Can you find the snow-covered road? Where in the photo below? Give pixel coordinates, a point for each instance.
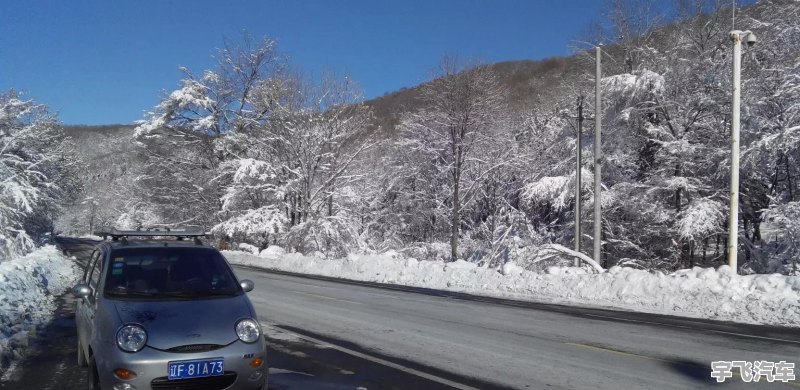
(518, 347)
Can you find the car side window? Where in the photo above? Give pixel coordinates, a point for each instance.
(94, 276)
(90, 266)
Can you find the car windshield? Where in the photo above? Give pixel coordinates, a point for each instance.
(169, 273)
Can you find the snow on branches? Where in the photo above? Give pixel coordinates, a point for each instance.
(254, 224)
(701, 219)
(34, 170)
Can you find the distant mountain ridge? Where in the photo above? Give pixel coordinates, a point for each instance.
(522, 79)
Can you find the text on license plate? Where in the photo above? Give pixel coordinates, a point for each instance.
(183, 369)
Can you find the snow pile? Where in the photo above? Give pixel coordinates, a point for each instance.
(248, 248)
(28, 289)
(700, 292)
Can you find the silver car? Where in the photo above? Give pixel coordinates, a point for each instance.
(157, 314)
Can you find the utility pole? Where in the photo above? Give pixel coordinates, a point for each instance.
(578, 173)
(578, 165)
(598, 158)
(733, 215)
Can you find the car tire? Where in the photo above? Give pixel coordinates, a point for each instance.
(81, 356)
(265, 386)
(92, 377)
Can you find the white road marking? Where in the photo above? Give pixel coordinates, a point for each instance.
(386, 363)
(325, 297)
(277, 371)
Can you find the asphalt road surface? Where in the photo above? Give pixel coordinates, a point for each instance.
(525, 346)
(326, 334)
(295, 363)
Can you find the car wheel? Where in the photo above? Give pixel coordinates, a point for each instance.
(81, 356)
(92, 378)
(265, 386)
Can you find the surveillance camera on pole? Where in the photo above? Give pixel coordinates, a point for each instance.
(751, 39)
(733, 217)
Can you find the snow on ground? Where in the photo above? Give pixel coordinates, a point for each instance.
(699, 292)
(29, 286)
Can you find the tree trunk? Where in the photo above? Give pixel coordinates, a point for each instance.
(292, 209)
(725, 248)
(330, 198)
(746, 228)
(757, 229)
(705, 247)
(306, 207)
(91, 220)
(789, 178)
(456, 221)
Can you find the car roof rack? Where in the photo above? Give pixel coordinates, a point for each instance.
(179, 233)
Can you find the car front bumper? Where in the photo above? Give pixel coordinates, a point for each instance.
(151, 368)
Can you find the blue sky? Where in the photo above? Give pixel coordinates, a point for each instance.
(102, 61)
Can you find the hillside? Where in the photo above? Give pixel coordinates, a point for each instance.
(524, 80)
(108, 158)
(103, 141)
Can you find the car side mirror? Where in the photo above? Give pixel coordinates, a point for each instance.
(82, 290)
(247, 285)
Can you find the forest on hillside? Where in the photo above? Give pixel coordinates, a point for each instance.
(478, 163)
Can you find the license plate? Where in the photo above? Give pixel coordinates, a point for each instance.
(183, 369)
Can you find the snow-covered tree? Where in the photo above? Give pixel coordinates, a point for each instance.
(183, 137)
(253, 201)
(463, 107)
(320, 143)
(303, 158)
(36, 173)
(771, 137)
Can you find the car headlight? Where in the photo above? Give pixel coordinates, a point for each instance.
(248, 330)
(131, 338)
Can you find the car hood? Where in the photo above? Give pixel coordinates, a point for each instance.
(185, 322)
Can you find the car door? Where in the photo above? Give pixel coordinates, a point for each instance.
(86, 307)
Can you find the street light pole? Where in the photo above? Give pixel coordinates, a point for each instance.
(598, 158)
(578, 165)
(733, 215)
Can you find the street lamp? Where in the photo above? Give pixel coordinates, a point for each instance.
(733, 218)
(598, 156)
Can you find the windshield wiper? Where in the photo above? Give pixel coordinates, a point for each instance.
(179, 294)
(219, 293)
(195, 294)
(131, 294)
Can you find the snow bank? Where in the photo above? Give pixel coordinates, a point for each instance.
(700, 292)
(248, 248)
(28, 289)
